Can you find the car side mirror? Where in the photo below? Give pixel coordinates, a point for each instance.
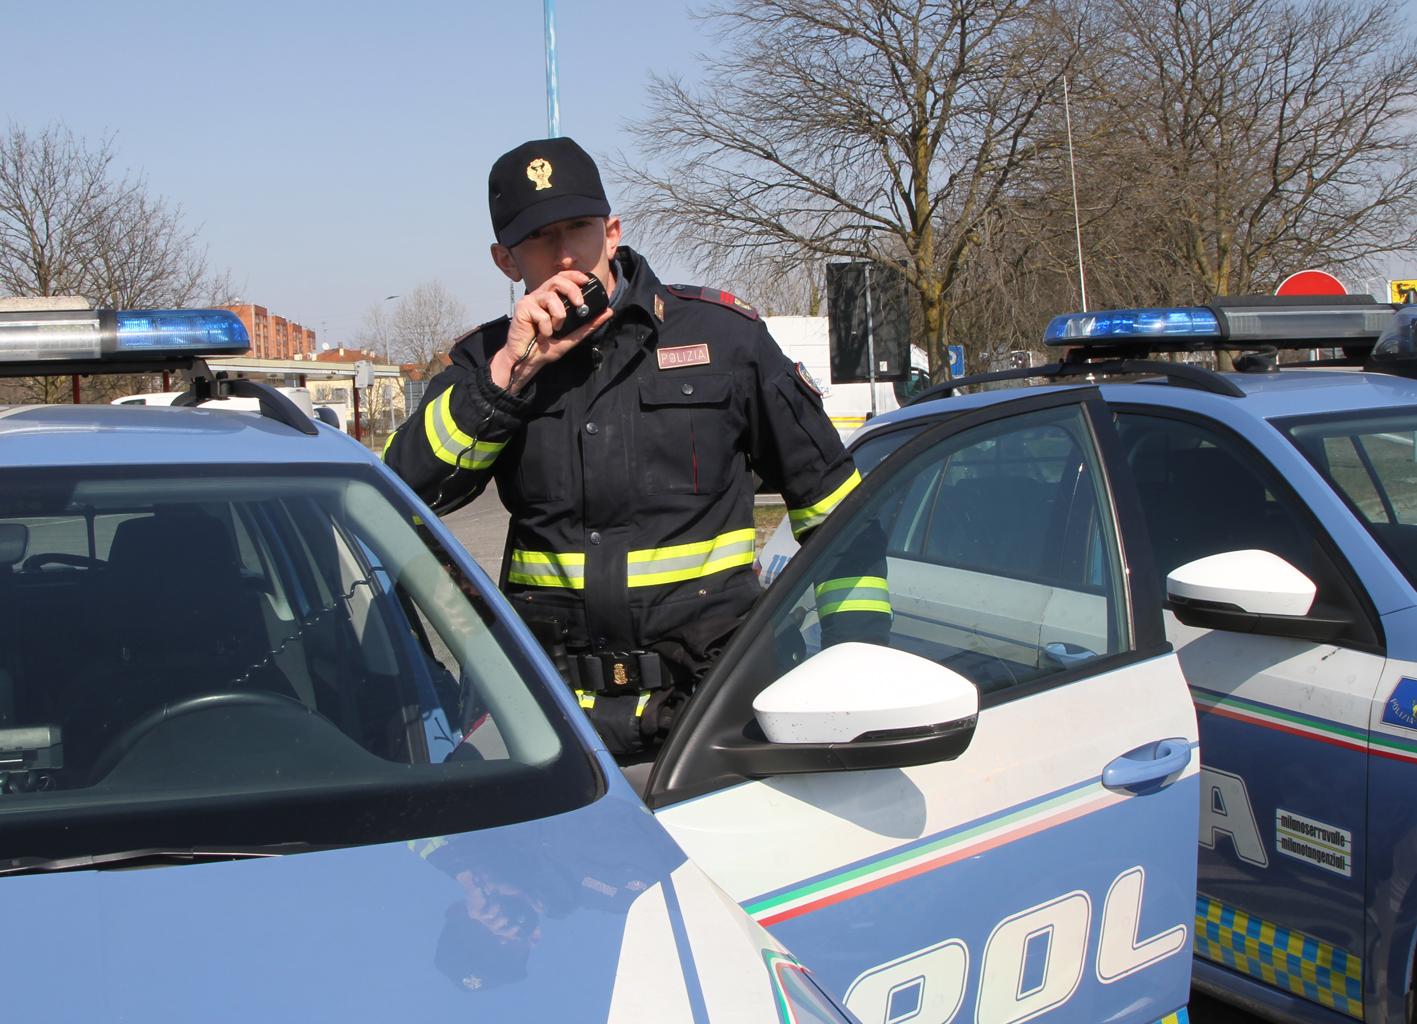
(857, 706)
(1251, 591)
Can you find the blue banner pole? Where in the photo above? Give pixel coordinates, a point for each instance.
(553, 99)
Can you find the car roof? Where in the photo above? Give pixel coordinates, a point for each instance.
(1297, 392)
(67, 435)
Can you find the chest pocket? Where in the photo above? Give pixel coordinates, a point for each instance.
(688, 433)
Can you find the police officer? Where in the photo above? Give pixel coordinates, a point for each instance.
(624, 451)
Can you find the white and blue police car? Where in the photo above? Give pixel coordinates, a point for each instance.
(1281, 502)
(272, 746)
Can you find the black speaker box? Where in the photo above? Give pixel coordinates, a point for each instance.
(860, 327)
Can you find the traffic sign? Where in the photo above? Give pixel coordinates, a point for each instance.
(956, 360)
(1311, 282)
(1402, 292)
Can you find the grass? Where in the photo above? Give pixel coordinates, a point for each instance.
(765, 519)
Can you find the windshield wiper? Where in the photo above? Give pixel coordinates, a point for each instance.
(151, 857)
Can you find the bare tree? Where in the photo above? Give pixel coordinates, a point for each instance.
(422, 325)
(54, 196)
(1262, 136)
(70, 226)
(852, 129)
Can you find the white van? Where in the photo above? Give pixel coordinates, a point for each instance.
(805, 340)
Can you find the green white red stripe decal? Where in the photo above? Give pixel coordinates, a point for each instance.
(936, 852)
(1321, 730)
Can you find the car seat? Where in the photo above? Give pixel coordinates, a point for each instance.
(179, 622)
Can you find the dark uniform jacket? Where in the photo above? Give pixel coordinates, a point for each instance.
(627, 464)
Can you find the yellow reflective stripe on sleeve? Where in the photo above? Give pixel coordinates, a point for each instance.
(645, 695)
(854, 594)
(804, 519)
(547, 569)
(680, 562)
(384, 453)
(450, 443)
(585, 699)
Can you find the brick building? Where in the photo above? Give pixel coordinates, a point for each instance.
(274, 337)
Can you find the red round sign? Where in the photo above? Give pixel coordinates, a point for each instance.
(1311, 282)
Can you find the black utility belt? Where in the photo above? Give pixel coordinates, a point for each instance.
(616, 672)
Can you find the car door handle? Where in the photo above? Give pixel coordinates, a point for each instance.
(1066, 655)
(1148, 768)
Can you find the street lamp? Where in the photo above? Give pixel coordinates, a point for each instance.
(387, 357)
(385, 333)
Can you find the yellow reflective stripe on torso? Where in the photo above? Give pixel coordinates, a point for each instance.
(450, 443)
(384, 454)
(804, 519)
(680, 562)
(854, 594)
(547, 569)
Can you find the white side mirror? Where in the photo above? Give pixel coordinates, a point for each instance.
(1258, 582)
(851, 689)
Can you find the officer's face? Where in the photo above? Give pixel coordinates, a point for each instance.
(586, 244)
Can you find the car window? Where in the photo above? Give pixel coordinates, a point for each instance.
(1370, 459)
(997, 550)
(877, 445)
(1203, 492)
(268, 638)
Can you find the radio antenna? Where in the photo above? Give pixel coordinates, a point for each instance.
(1072, 174)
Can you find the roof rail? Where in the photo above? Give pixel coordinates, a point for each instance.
(1076, 364)
(273, 405)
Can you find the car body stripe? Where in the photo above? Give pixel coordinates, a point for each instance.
(970, 839)
(1304, 726)
(686, 953)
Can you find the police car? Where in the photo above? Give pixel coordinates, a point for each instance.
(1301, 653)
(236, 652)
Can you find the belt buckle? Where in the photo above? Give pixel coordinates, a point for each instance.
(623, 668)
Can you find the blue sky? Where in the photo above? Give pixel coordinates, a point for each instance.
(334, 153)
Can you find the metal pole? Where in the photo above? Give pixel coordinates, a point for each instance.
(553, 99)
(870, 341)
(357, 433)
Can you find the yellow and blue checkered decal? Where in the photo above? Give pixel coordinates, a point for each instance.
(1287, 959)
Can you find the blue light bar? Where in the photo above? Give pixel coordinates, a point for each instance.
(1123, 325)
(81, 340)
(1399, 339)
(180, 331)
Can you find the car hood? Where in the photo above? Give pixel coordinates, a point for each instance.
(592, 915)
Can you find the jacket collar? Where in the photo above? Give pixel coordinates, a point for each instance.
(642, 288)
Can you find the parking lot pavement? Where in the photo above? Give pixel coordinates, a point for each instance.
(481, 527)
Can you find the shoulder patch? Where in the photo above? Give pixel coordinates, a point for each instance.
(807, 378)
(726, 299)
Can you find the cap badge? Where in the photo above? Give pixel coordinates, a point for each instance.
(539, 172)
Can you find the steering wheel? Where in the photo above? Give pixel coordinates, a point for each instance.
(36, 562)
(118, 747)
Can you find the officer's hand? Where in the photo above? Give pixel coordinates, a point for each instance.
(535, 319)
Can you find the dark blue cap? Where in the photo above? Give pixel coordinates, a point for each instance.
(539, 183)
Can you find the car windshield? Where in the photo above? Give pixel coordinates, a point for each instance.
(254, 656)
(1370, 459)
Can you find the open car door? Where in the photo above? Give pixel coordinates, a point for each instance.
(950, 758)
